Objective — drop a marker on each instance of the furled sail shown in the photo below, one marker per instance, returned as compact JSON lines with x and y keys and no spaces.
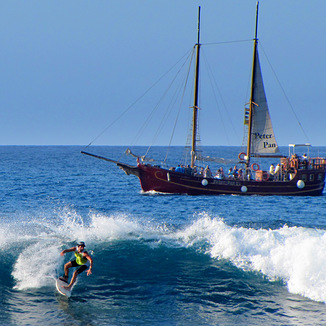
{"x":263,"y":140}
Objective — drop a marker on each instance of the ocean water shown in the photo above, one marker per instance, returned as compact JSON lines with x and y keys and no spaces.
{"x":158,"y":259}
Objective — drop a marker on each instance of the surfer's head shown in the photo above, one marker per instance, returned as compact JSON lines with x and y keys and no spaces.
{"x":81,"y":244}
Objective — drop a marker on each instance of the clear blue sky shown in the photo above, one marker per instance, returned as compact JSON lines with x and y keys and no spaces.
{"x":69,"y":67}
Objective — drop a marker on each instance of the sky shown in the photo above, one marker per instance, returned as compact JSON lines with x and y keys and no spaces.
{"x":68,"y":69}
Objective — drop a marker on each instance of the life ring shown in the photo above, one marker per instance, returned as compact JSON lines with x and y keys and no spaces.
{"x":241,"y":156}
{"x":265,"y":176}
{"x":255,"y":166}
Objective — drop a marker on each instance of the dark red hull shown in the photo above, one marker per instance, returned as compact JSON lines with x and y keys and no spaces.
{"x":166,"y":181}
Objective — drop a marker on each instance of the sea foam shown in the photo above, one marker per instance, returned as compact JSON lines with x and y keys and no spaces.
{"x":295,"y":256}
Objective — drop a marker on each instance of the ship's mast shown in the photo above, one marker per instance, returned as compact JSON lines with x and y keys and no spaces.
{"x":195,"y":107}
{"x":251,"y":101}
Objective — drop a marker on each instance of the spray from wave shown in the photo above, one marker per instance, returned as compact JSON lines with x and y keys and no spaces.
{"x":294,"y":255}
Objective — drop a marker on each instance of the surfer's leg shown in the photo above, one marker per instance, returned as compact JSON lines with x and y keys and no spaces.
{"x":74,"y":276}
{"x":66,"y":269}
{"x":72,"y":281}
{"x":82,"y":268}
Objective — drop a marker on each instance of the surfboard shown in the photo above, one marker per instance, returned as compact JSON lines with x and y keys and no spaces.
{"x":61,"y":289}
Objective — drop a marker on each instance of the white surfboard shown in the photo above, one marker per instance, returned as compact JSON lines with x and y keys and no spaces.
{"x":61,"y":289}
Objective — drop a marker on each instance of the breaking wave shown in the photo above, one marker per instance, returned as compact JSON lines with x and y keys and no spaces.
{"x":295,"y":256}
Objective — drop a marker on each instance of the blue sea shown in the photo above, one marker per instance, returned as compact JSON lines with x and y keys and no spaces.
{"x":158,"y":259}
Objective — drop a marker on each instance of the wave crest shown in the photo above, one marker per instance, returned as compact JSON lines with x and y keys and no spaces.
{"x":294,"y":255}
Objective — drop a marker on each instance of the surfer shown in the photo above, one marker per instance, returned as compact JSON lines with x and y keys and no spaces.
{"x":83,"y":261}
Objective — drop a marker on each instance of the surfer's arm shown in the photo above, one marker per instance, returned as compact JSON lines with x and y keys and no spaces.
{"x":89,"y":258}
{"x":67,"y":250}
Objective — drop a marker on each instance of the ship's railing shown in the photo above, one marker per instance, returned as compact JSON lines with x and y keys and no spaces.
{"x":315,"y":163}
{"x":318,"y":163}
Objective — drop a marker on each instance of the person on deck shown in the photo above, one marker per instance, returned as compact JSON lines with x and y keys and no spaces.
{"x":240,"y":175}
{"x":277,"y":172}
{"x":207,"y":172}
{"x":235,"y":172}
{"x":188,"y":170}
{"x":272,"y":169}
{"x":178,"y":169}
{"x":219,"y":174}
{"x":222,"y":173}
{"x":305,"y":161}
{"x":271,"y":172}
{"x":83,"y":261}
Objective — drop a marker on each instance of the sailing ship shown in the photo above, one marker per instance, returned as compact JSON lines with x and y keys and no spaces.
{"x":293,"y":175}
